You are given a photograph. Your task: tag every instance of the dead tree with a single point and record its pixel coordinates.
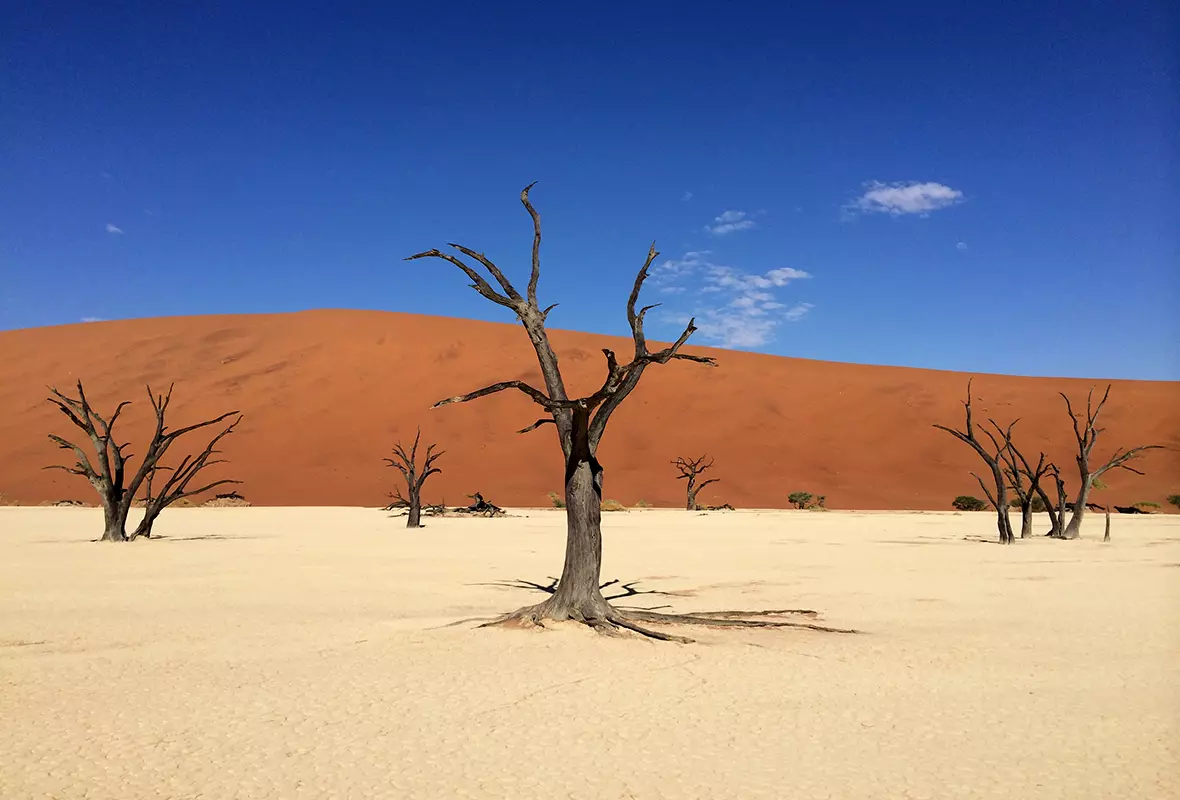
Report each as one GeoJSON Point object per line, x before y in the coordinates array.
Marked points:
{"type": "Point", "coordinates": [1106, 533]}
{"type": "Point", "coordinates": [1086, 434]}
{"type": "Point", "coordinates": [108, 473]}
{"type": "Point", "coordinates": [691, 469]}
{"type": "Point", "coordinates": [1018, 470]}
{"type": "Point", "coordinates": [993, 458]}
{"type": "Point", "coordinates": [407, 465]}
{"type": "Point", "coordinates": [580, 423]}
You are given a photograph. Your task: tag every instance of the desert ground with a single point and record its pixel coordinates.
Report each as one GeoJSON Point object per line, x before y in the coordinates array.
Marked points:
{"type": "Point", "coordinates": [310, 652]}
{"type": "Point", "coordinates": [326, 394]}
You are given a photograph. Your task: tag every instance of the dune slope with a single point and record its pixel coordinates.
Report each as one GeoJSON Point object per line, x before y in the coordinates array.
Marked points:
{"type": "Point", "coordinates": [326, 394]}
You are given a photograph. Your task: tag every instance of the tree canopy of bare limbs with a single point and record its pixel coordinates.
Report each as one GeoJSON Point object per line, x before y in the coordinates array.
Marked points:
{"type": "Point", "coordinates": [580, 423]}
{"type": "Point", "coordinates": [1025, 480]}
{"type": "Point", "coordinates": [993, 457]}
{"type": "Point", "coordinates": [108, 473]}
{"type": "Point", "coordinates": [690, 469]}
{"type": "Point", "coordinates": [1086, 433]}
{"type": "Point", "coordinates": [415, 475]}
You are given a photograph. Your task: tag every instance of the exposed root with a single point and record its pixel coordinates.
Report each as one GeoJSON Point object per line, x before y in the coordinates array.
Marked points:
{"type": "Point", "coordinates": [623, 622]}
{"type": "Point", "coordinates": [740, 619]}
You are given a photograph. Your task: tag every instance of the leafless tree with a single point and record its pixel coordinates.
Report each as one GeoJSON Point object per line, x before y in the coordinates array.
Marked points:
{"type": "Point", "coordinates": [108, 473]}
{"type": "Point", "coordinates": [407, 465]}
{"type": "Point", "coordinates": [1055, 508]}
{"type": "Point", "coordinates": [1086, 434]}
{"type": "Point", "coordinates": [690, 469]}
{"type": "Point", "coordinates": [993, 457]}
{"type": "Point", "coordinates": [1025, 480]}
{"type": "Point", "coordinates": [580, 423]}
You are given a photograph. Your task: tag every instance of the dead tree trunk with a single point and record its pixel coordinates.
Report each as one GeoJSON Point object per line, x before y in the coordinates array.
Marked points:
{"type": "Point", "coordinates": [1055, 509]}
{"type": "Point", "coordinates": [690, 469]}
{"type": "Point", "coordinates": [407, 465]}
{"type": "Point", "coordinates": [1018, 470]}
{"type": "Point", "coordinates": [1086, 434]}
{"type": "Point", "coordinates": [999, 499]}
{"type": "Point", "coordinates": [580, 424]}
{"type": "Point", "coordinates": [1106, 533]}
{"type": "Point", "coordinates": [108, 473]}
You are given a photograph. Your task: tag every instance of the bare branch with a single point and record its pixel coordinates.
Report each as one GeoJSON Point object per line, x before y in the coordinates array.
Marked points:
{"type": "Point", "coordinates": [535, 275]}
{"type": "Point", "coordinates": [536, 395]}
{"type": "Point", "coordinates": [500, 277]}
{"type": "Point", "coordinates": [477, 281]}
{"type": "Point", "coordinates": [537, 424]}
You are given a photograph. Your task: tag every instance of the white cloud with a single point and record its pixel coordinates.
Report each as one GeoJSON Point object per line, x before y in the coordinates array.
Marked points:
{"type": "Point", "coordinates": [904, 198]}
{"type": "Point", "coordinates": [961, 246]}
{"type": "Point", "coordinates": [728, 222]}
{"type": "Point", "coordinates": [92, 319]}
{"type": "Point", "coordinates": [113, 228]}
{"type": "Point", "coordinates": [686, 196]}
{"type": "Point", "coordinates": [734, 308]}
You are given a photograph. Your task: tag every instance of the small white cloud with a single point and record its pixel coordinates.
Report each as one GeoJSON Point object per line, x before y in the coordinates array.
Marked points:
{"type": "Point", "coordinates": [728, 222]}
{"type": "Point", "coordinates": [961, 246]}
{"type": "Point", "coordinates": [686, 196]}
{"type": "Point", "coordinates": [736, 308]}
{"type": "Point", "coordinates": [92, 319]}
{"type": "Point", "coordinates": [113, 228]}
{"type": "Point", "coordinates": [904, 198]}
{"type": "Point", "coordinates": [798, 312]}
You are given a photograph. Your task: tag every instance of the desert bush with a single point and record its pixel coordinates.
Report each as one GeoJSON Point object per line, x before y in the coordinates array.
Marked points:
{"type": "Point", "coordinates": [226, 500]}
{"type": "Point", "coordinates": [613, 505]}
{"type": "Point", "coordinates": [799, 499]}
{"type": "Point", "coordinates": [966, 502]}
{"type": "Point", "coordinates": [1037, 505]}
{"type": "Point", "coordinates": [1174, 499]}
{"type": "Point", "coordinates": [556, 500]}
{"type": "Point", "coordinates": [1147, 504]}
{"type": "Point", "coordinates": [642, 504]}
{"type": "Point", "coordinates": [1097, 483]}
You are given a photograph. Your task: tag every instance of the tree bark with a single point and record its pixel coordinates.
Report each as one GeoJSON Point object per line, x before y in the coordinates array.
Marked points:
{"type": "Point", "coordinates": [1106, 534]}
{"type": "Point", "coordinates": [1074, 529]}
{"type": "Point", "coordinates": [415, 518]}
{"type": "Point", "coordinates": [114, 513]}
{"type": "Point", "coordinates": [1026, 517]}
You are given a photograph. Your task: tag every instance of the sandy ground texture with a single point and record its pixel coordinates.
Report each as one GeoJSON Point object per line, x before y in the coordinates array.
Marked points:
{"type": "Point", "coordinates": [301, 653]}
{"type": "Point", "coordinates": [326, 394]}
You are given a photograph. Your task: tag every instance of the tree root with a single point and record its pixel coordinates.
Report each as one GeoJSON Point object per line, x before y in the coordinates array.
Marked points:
{"type": "Point", "coordinates": [611, 620]}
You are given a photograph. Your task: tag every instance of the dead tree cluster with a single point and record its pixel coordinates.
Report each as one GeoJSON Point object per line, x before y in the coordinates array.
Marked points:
{"type": "Point", "coordinates": [690, 470]}
{"type": "Point", "coordinates": [109, 473]}
{"type": "Point", "coordinates": [580, 423]}
{"type": "Point", "coordinates": [1011, 469]}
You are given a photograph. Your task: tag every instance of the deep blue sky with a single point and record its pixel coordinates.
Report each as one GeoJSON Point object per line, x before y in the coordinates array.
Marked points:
{"type": "Point", "coordinates": [161, 159]}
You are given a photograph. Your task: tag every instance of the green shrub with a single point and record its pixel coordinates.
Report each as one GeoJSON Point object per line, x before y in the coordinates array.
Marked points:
{"type": "Point", "coordinates": [642, 504]}
{"type": "Point", "coordinates": [556, 501]}
{"type": "Point", "coordinates": [613, 505]}
{"type": "Point", "coordinates": [1037, 506]}
{"type": "Point", "coordinates": [1147, 504]}
{"type": "Point", "coordinates": [966, 502]}
{"type": "Point", "coordinates": [799, 499]}
{"type": "Point", "coordinates": [1174, 499]}
{"type": "Point", "coordinates": [1097, 483]}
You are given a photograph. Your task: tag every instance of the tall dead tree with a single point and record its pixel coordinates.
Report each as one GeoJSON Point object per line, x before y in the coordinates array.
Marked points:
{"type": "Point", "coordinates": [1086, 434]}
{"type": "Point", "coordinates": [690, 469]}
{"type": "Point", "coordinates": [1025, 480]}
{"type": "Point", "coordinates": [580, 423]}
{"type": "Point", "coordinates": [108, 473]}
{"type": "Point", "coordinates": [1055, 508]}
{"type": "Point", "coordinates": [994, 460]}
{"type": "Point", "coordinates": [407, 465]}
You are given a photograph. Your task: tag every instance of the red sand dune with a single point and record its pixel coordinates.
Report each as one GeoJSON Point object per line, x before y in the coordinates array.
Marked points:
{"type": "Point", "coordinates": [326, 394]}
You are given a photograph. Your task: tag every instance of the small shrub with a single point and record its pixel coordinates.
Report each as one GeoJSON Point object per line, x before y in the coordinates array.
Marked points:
{"type": "Point", "coordinates": [1174, 499]}
{"type": "Point", "coordinates": [556, 501]}
{"type": "Point", "coordinates": [966, 502]}
{"type": "Point", "coordinates": [642, 504]}
{"type": "Point", "coordinates": [1147, 504]}
{"type": "Point", "coordinates": [799, 499]}
{"type": "Point", "coordinates": [1037, 505]}
{"type": "Point", "coordinates": [613, 505]}
{"type": "Point", "coordinates": [1097, 483]}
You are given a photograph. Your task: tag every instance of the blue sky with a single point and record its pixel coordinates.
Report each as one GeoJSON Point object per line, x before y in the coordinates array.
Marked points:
{"type": "Point", "coordinates": [988, 187]}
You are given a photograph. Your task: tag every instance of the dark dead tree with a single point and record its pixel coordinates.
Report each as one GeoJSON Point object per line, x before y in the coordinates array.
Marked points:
{"type": "Point", "coordinates": [1086, 434]}
{"type": "Point", "coordinates": [1025, 480]}
{"type": "Point", "coordinates": [580, 423]}
{"type": "Point", "coordinates": [993, 458]}
{"type": "Point", "coordinates": [108, 473]}
{"type": "Point", "coordinates": [690, 469]}
{"type": "Point", "coordinates": [415, 475]}
{"type": "Point", "coordinates": [1056, 509]}
{"type": "Point", "coordinates": [1106, 533]}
